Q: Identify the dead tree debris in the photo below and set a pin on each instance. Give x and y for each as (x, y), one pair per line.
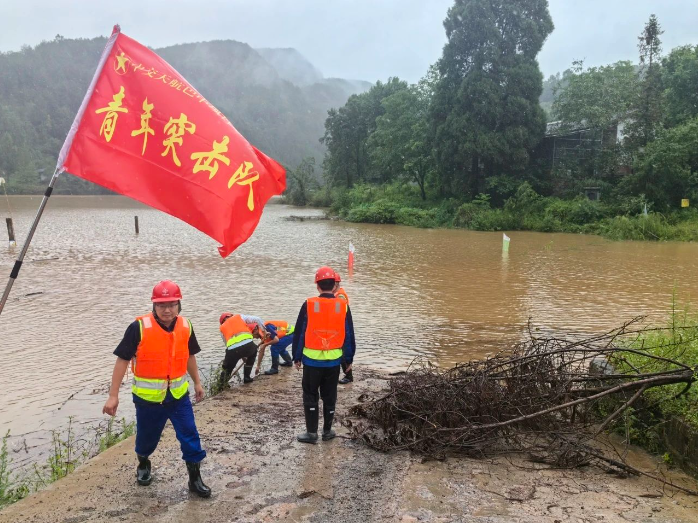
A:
(543, 398)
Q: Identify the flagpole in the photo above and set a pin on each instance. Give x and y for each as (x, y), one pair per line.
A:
(61, 159)
(25, 247)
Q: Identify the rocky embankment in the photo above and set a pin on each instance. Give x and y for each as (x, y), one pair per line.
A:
(259, 473)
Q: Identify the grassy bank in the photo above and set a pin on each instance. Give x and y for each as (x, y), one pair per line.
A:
(677, 341)
(68, 449)
(524, 211)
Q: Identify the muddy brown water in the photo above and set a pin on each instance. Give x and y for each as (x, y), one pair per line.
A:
(447, 295)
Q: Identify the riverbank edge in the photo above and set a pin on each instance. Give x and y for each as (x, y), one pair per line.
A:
(258, 472)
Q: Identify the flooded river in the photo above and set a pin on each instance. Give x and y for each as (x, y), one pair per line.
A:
(448, 295)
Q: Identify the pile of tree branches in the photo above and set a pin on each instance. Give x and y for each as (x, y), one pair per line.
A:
(550, 398)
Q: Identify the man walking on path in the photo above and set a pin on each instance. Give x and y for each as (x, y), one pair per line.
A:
(238, 331)
(323, 338)
(340, 293)
(279, 337)
(161, 347)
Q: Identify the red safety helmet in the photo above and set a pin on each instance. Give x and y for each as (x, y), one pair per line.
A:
(224, 317)
(252, 326)
(337, 277)
(166, 290)
(325, 273)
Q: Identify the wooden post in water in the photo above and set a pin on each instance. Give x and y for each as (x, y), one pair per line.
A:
(10, 230)
(136, 224)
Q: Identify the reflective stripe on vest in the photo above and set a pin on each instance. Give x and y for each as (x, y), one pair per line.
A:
(283, 328)
(161, 360)
(325, 330)
(235, 331)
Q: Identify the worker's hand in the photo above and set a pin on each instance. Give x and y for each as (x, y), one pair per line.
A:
(199, 392)
(298, 364)
(348, 369)
(258, 370)
(111, 405)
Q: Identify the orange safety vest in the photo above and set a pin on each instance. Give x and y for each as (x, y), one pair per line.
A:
(161, 359)
(235, 330)
(326, 321)
(282, 327)
(342, 295)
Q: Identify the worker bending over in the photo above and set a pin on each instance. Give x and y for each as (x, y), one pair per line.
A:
(279, 336)
(238, 331)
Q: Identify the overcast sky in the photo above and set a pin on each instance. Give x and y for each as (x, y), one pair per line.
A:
(356, 39)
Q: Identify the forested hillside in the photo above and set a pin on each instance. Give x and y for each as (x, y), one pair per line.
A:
(279, 102)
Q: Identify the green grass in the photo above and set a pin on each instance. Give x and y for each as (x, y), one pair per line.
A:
(524, 211)
(677, 341)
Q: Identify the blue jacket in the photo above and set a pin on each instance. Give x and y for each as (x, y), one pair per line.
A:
(348, 349)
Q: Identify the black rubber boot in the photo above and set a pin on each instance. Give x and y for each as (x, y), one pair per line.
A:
(196, 484)
(274, 366)
(311, 423)
(328, 417)
(307, 437)
(247, 371)
(143, 471)
(288, 360)
(348, 378)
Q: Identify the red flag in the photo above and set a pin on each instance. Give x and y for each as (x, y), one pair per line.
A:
(145, 132)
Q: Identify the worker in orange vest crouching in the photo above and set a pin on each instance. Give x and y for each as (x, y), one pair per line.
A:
(162, 348)
(324, 337)
(279, 335)
(340, 293)
(238, 331)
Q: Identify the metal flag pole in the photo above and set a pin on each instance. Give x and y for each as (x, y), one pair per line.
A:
(61, 159)
(25, 247)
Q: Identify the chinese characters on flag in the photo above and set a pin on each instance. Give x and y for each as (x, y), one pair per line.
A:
(145, 132)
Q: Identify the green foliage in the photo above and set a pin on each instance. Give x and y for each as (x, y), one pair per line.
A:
(485, 111)
(112, 435)
(41, 89)
(578, 211)
(596, 97)
(212, 381)
(67, 453)
(347, 129)
(10, 490)
(653, 227)
(668, 169)
(400, 144)
(647, 107)
(680, 78)
(301, 182)
(678, 342)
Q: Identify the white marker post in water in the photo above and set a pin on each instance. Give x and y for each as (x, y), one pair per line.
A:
(505, 243)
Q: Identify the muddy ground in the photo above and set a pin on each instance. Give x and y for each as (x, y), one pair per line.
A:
(259, 473)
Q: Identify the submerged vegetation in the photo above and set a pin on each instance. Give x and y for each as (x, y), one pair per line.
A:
(525, 210)
(68, 450)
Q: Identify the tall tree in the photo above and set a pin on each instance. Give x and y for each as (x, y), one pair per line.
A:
(596, 97)
(347, 131)
(400, 145)
(648, 108)
(485, 114)
(680, 81)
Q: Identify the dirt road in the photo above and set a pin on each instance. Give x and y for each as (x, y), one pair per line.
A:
(259, 473)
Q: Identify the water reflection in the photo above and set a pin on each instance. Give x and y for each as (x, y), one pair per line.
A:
(447, 295)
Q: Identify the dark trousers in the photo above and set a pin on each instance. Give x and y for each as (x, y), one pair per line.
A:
(247, 352)
(349, 375)
(319, 382)
(151, 419)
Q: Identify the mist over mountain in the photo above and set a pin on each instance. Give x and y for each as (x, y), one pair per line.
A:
(274, 97)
